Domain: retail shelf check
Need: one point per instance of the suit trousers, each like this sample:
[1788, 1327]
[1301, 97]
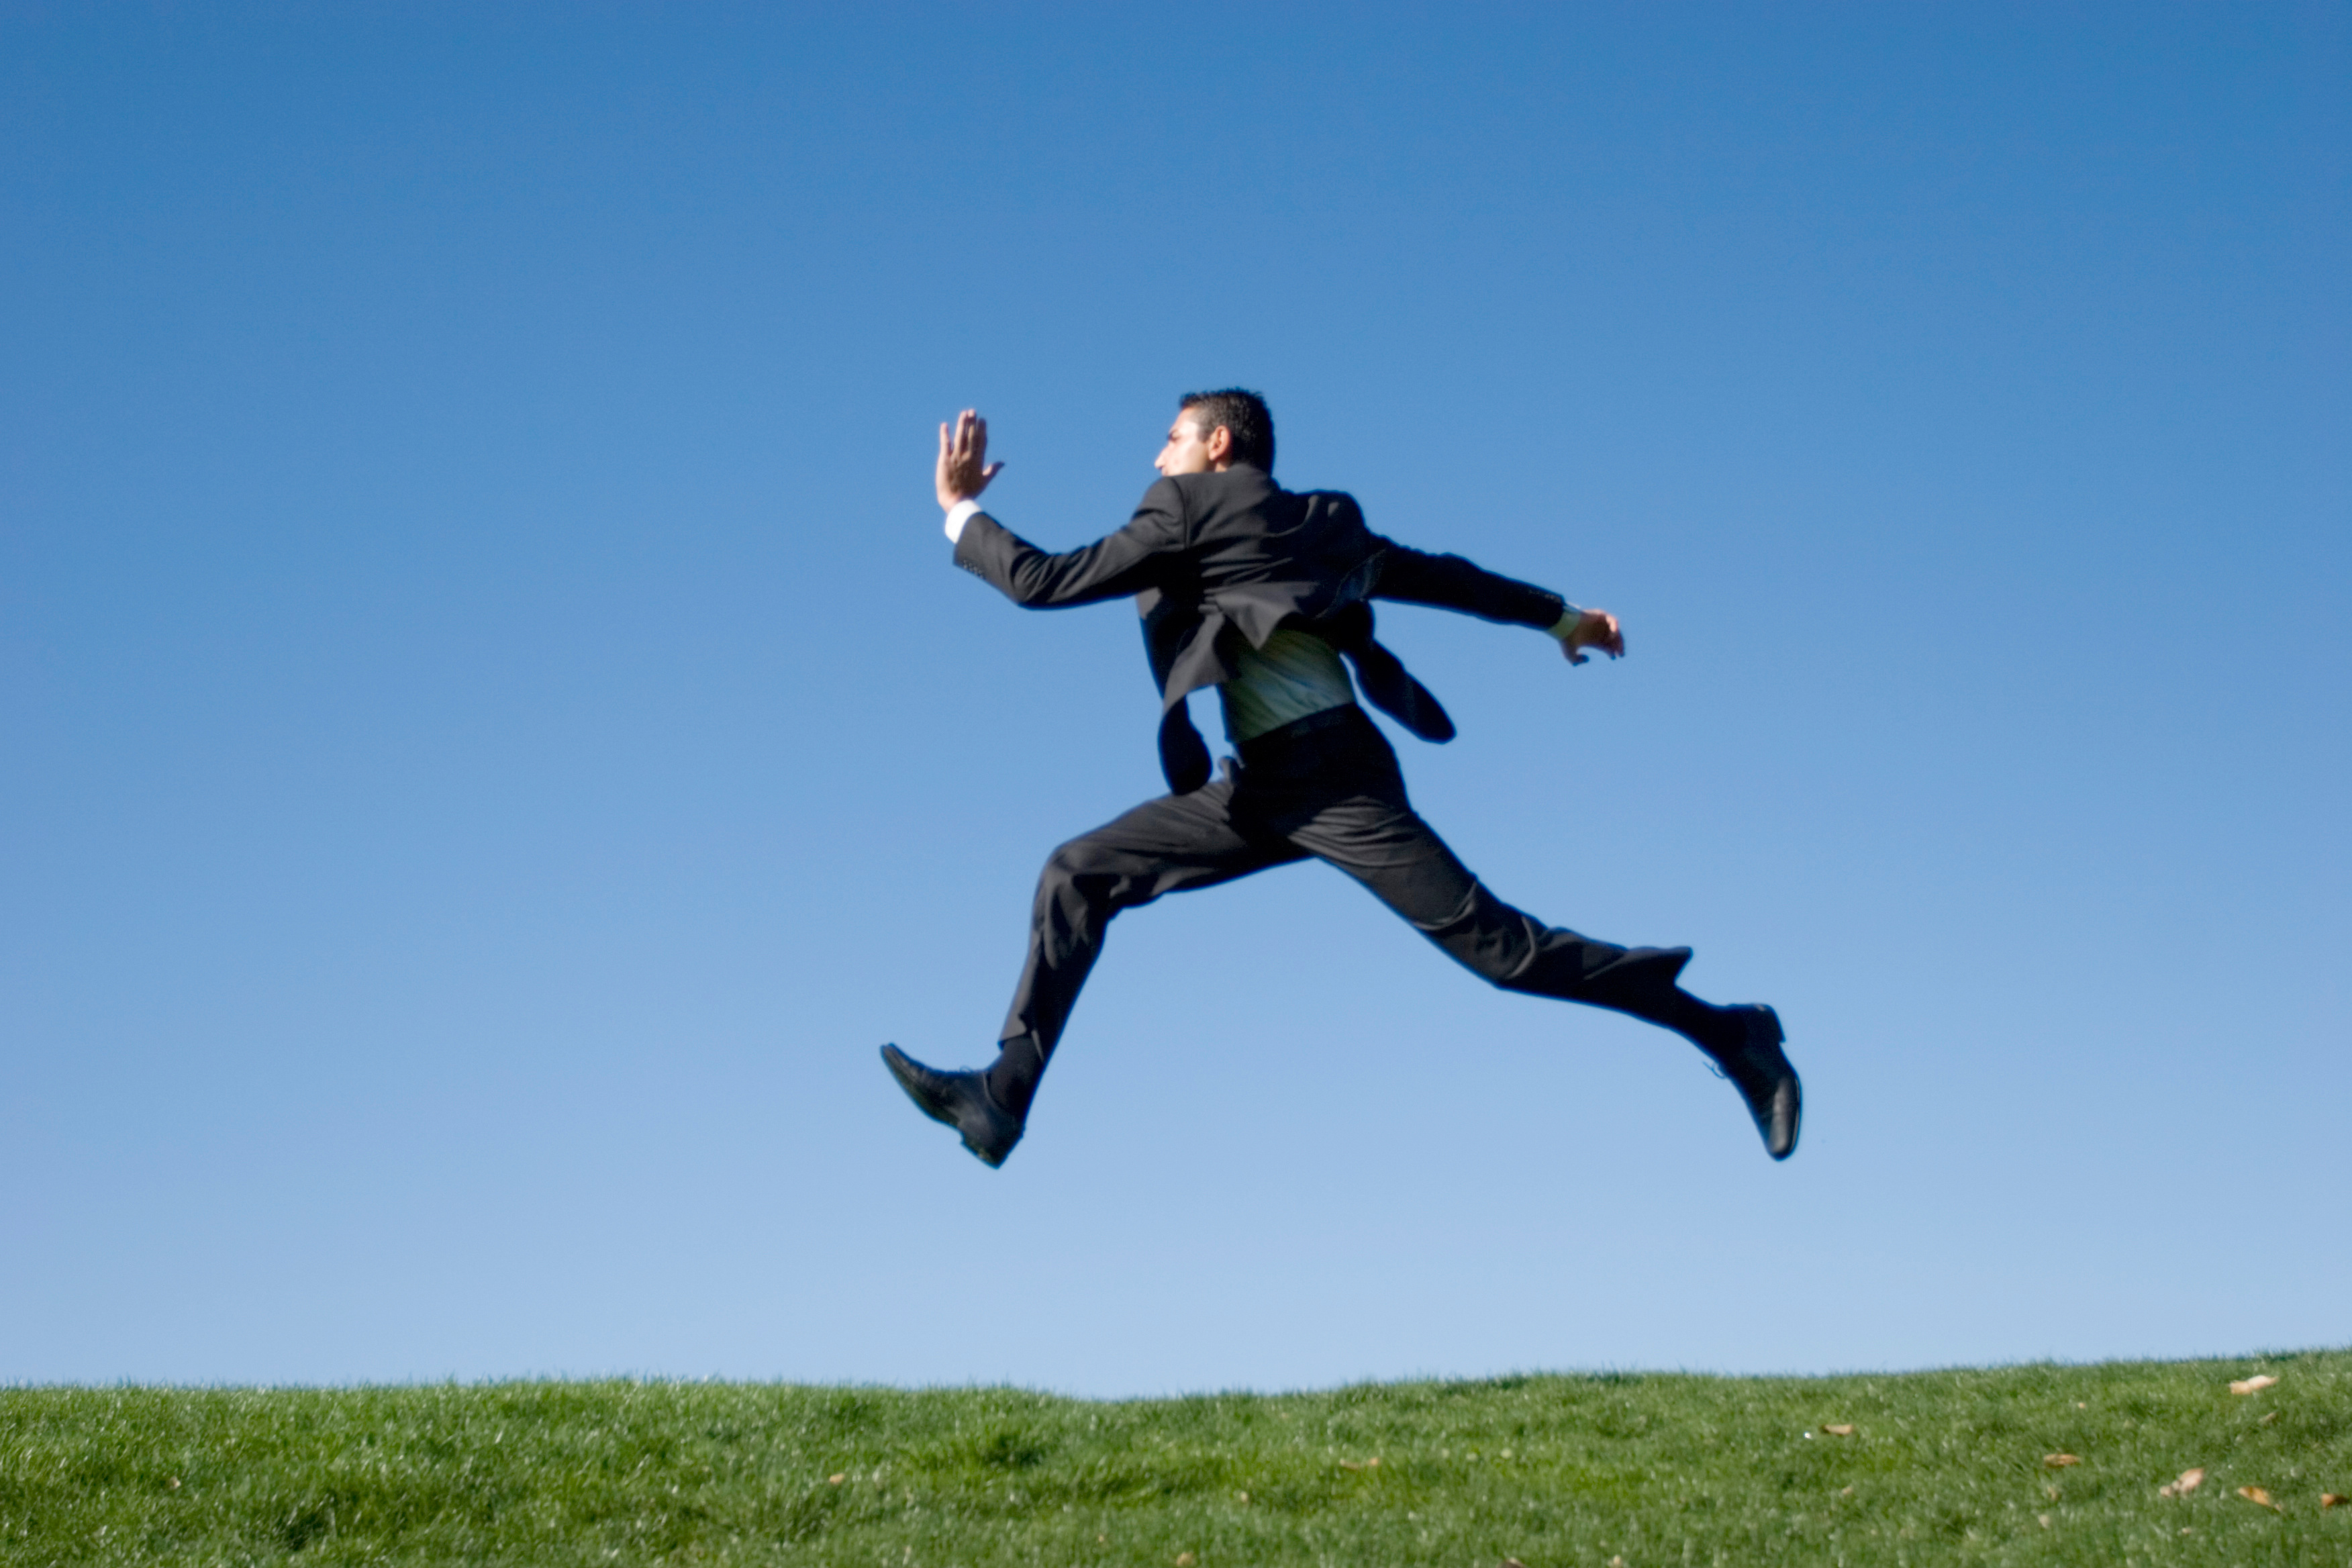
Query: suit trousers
[1327, 786]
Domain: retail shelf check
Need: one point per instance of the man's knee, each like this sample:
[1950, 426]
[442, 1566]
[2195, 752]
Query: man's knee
[1486, 936]
[1083, 874]
[1079, 860]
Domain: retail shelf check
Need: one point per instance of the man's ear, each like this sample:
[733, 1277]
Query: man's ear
[1220, 446]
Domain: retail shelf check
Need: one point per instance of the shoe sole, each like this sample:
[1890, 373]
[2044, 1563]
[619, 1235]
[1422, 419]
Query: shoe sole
[1792, 1083]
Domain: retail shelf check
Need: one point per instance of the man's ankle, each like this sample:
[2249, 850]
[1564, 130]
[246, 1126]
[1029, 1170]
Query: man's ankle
[1012, 1079]
[1717, 1031]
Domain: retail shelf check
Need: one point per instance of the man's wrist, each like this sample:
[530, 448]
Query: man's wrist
[958, 515]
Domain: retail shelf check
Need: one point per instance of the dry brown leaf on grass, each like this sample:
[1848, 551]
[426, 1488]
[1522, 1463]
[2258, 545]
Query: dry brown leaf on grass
[2059, 1461]
[1513, 1562]
[836, 1481]
[2329, 1499]
[1838, 1428]
[2188, 1482]
[2254, 1385]
[2260, 1498]
[1184, 1559]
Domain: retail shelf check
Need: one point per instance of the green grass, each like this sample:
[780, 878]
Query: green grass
[1942, 1467]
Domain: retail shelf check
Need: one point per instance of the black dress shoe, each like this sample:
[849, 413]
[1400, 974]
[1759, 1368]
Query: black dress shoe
[961, 1101]
[1760, 1069]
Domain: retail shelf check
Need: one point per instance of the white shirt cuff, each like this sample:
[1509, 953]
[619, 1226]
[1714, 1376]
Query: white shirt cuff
[958, 515]
[1567, 621]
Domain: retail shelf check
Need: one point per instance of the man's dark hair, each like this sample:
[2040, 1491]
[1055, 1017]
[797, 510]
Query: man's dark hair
[1243, 413]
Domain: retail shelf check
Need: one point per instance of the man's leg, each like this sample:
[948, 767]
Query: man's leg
[1367, 828]
[1164, 846]
[1380, 841]
[1167, 846]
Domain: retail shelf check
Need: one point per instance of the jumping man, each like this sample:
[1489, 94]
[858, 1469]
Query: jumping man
[1267, 596]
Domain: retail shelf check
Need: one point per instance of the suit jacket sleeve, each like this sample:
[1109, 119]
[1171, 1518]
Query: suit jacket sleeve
[1113, 567]
[1451, 583]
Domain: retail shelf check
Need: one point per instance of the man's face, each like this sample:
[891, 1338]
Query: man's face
[1191, 450]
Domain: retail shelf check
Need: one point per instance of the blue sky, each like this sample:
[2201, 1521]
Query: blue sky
[494, 742]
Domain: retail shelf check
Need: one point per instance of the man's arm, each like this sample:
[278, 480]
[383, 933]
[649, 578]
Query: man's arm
[1113, 567]
[1450, 582]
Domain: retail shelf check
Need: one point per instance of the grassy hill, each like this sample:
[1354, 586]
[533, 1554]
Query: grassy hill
[1941, 1466]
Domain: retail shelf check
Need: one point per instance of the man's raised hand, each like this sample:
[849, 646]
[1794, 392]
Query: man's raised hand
[964, 468]
[1593, 628]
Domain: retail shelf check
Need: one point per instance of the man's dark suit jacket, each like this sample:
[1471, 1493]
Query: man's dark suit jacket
[1213, 557]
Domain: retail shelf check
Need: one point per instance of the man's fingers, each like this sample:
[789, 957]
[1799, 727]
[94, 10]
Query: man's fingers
[1597, 628]
[963, 453]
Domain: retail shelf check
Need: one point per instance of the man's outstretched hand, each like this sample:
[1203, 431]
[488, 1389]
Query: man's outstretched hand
[964, 468]
[1593, 628]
